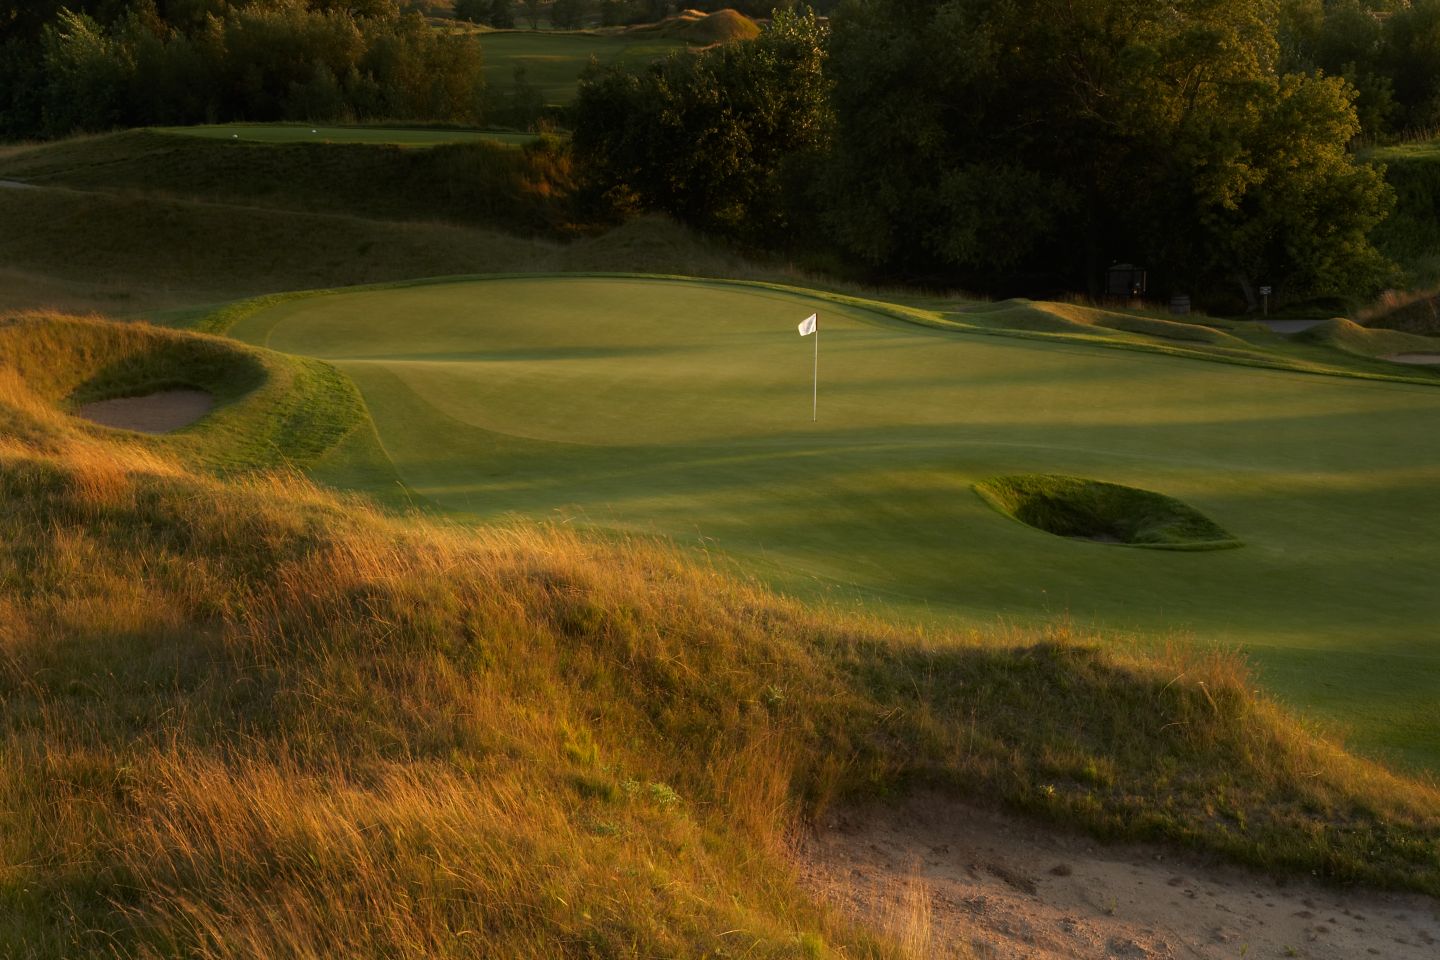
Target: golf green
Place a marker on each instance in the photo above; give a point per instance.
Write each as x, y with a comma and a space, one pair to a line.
684, 409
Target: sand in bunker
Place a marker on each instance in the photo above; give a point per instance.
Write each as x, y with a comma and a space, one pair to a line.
153, 413
950, 881
1425, 358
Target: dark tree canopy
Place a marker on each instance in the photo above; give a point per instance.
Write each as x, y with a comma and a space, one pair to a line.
97, 65
718, 139
994, 143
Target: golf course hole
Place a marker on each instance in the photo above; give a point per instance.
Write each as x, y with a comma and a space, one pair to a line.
1103, 512
161, 412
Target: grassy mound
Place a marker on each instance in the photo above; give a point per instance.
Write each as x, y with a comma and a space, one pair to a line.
1332, 347
698, 28
1350, 337
1079, 320
722, 26
272, 411
1106, 512
233, 706
524, 190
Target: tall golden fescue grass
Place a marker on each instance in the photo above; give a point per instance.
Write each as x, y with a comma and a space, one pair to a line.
247, 717
910, 921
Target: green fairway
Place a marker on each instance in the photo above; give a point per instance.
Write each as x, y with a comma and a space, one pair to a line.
308, 133
683, 408
553, 61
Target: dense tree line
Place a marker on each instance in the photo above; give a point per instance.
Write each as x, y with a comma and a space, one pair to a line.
727, 141
101, 64
495, 13
1011, 147
1389, 50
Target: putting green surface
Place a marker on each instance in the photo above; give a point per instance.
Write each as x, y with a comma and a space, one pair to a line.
306, 133
683, 408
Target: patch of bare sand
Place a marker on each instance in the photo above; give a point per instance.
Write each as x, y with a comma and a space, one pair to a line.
946, 880
153, 413
1420, 358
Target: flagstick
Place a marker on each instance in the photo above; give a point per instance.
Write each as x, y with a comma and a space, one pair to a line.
815, 392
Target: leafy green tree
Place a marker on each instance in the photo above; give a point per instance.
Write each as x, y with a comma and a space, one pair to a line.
86, 75
473, 11
1412, 37
568, 14
990, 144
1343, 38
614, 13
524, 104
502, 14
1287, 205
532, 10
186, 61
715, 139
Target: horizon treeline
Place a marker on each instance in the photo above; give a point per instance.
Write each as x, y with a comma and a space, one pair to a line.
1023, 149
1002, 148
77, 66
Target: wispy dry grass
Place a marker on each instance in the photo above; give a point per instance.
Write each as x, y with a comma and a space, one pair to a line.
247, 718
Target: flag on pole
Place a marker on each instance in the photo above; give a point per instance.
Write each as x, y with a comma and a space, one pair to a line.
807, 327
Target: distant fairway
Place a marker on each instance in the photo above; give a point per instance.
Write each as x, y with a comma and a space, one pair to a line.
554, 61
308, 133
683, 408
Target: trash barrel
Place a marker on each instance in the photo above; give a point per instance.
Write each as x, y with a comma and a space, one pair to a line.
1180, 305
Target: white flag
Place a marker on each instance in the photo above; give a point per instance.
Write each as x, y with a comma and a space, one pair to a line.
807, 326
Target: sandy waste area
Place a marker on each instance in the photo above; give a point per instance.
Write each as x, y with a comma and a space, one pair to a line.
950, 881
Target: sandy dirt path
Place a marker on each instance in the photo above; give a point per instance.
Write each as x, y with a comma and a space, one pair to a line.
153, 413
1421, 358
950, 881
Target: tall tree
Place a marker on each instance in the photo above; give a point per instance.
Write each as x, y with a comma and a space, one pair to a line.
717, 139
981, 140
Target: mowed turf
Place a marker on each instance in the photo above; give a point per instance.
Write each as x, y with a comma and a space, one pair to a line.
306, 133
683, 408
553, 61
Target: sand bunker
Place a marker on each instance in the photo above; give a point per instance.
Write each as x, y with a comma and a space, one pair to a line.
153, 413
950, 881
1421, 358
16, 185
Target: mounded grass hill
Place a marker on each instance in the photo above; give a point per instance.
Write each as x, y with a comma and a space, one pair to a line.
476, 183
235, 704
647, 405
702, 29
220, 220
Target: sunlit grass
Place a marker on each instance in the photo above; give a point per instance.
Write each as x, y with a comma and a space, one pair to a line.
246, 717
679, 407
